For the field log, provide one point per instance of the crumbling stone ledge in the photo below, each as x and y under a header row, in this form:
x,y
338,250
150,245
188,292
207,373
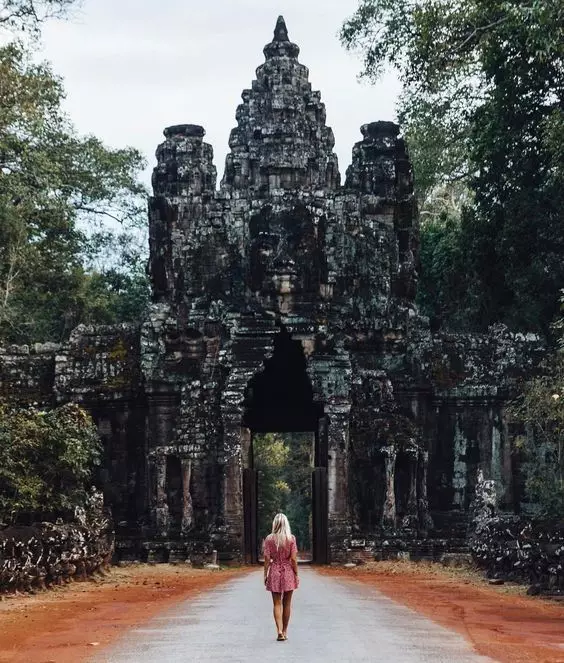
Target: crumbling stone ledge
x,y
524,550
48,554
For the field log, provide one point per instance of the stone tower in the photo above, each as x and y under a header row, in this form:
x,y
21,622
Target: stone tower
x,y
280,299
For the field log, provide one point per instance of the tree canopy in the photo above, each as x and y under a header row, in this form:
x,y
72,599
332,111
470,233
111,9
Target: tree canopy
x,y
70,207
283,463
483,112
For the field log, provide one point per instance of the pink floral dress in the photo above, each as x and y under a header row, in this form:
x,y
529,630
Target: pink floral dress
x,y
281,576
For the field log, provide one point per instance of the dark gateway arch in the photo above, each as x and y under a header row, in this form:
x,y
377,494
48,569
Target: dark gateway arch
x,y
280,399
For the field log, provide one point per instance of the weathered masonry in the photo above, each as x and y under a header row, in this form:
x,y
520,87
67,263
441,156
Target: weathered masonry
x,y
284,301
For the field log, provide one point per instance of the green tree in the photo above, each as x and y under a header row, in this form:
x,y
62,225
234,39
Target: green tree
x,y
482,109
270,458
442,284
284,467
541,408
46,460
55,189
298,477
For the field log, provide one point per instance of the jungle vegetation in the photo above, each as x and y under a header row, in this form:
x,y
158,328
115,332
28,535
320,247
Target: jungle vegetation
x,y
71,209
284,464
482,111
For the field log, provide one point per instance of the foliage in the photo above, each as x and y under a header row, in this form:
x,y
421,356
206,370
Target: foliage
x,y
46,460
299,503
441,256
55,189
284,467
541,408
113,296
270,458
29,15
482,112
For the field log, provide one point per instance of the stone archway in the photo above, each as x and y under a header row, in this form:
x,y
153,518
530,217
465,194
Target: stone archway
x,y
280,399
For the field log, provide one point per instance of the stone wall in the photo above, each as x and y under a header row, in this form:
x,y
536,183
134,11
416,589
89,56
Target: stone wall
x,y
27,374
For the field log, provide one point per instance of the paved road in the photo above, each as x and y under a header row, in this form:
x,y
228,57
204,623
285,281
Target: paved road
x,y
333,620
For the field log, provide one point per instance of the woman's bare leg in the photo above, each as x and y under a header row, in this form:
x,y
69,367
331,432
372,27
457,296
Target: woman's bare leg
x,y
277,611
286,611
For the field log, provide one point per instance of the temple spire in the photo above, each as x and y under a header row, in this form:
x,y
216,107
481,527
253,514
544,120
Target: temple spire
x,y
281,46
281,31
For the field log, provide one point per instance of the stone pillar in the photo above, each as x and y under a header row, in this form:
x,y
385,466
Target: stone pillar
x,y
162,411
233,500
410,520
389,511
425,520
460,466
187,509
337,466
246,448
232,488
161,506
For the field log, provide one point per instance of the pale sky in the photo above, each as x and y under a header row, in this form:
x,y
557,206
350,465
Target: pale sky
x,y
133,67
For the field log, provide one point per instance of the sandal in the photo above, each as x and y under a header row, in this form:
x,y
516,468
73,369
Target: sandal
x,y
280,638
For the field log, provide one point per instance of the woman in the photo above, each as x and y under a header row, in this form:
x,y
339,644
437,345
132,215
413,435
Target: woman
x,y
281,571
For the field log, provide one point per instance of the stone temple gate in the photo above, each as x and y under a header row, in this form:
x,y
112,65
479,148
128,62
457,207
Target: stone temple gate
x,y
284,301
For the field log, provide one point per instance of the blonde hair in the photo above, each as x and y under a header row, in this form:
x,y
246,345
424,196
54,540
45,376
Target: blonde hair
x,y
281,532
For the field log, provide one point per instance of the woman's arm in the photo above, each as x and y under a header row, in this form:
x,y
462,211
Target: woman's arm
x,y
294,557
267,558
266,566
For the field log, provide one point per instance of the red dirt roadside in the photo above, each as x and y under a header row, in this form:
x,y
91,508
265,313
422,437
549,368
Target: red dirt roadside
x,y
67,624
500,622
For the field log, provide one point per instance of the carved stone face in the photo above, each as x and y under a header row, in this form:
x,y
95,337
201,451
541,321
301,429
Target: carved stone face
x,y
262,254
286,253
